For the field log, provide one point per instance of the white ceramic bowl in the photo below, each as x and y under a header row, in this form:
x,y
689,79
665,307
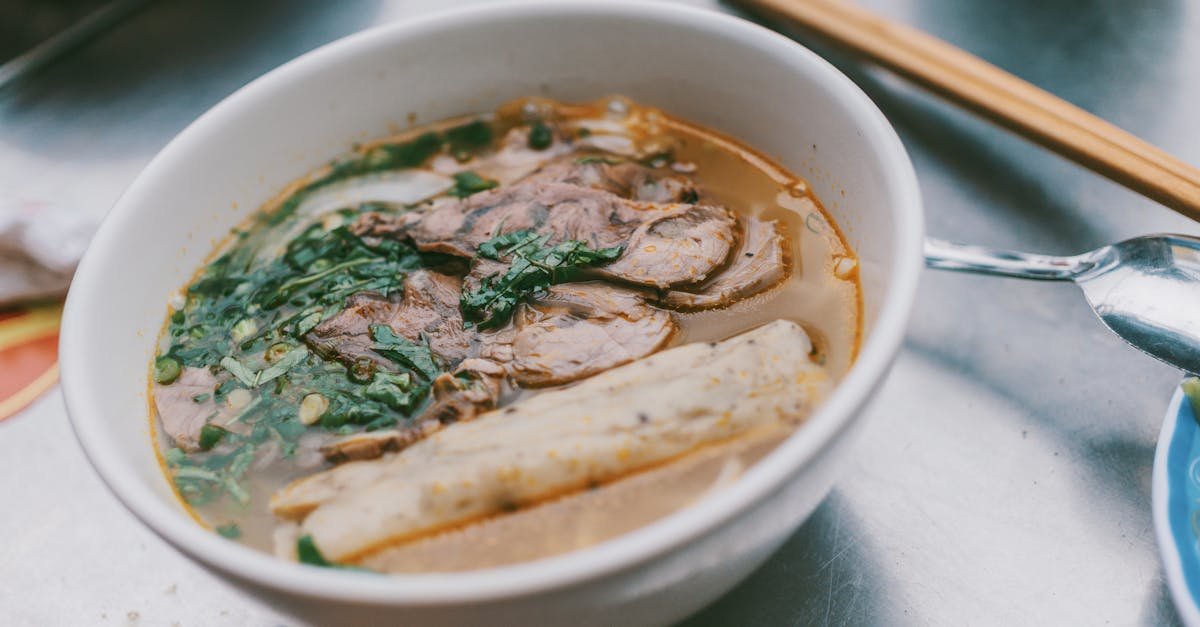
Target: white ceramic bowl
x,y
716,70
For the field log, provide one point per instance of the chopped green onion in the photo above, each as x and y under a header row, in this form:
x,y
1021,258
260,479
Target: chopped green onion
x,y
174,456
285,363
312,408
195,472
245,328
166,370
231,531
248,377
540,136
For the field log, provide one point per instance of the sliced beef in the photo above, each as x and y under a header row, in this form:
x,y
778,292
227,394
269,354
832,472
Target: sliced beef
x,y
579,329
474,386
667,244
573,331
426,311
759,263
458,227
627,179
681,246
179,413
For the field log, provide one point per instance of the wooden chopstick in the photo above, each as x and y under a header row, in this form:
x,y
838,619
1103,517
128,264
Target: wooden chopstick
x,y
997,95
78,34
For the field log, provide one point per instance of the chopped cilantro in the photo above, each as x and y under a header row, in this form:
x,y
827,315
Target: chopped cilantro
x,y
393,390
404,352
533,267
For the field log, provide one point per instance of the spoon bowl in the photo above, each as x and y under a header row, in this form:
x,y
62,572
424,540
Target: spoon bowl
x,y
1146,289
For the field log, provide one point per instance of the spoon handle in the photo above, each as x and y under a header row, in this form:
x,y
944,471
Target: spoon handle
x,y
944,255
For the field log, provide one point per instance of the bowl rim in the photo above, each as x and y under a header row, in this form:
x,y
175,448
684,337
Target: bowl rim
x,y
626,551
1170,506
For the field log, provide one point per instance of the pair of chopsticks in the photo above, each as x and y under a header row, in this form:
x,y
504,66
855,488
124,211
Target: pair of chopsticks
x,y
997,95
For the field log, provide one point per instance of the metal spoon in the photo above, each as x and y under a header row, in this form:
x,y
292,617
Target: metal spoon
x,y
1146,289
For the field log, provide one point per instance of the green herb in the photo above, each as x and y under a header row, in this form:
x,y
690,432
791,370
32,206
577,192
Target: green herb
x,y
245,328
404,352
540,136
231,531
252,379
307,323
174,456
345,409
467,183
249,311
610,160
533,268
285,363
201,481
308,553
210,436
470,136
501,245
248,377
166,370
393,390
408,154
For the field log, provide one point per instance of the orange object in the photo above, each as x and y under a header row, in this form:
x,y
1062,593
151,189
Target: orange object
x,y
28,355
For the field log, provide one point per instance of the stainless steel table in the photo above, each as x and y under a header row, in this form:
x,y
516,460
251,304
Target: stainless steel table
x,y
1006,477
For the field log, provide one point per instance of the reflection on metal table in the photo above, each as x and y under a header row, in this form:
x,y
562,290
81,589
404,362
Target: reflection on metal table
x,y
1006,475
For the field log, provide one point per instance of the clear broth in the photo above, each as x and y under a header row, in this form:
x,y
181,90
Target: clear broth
x,y
822,293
